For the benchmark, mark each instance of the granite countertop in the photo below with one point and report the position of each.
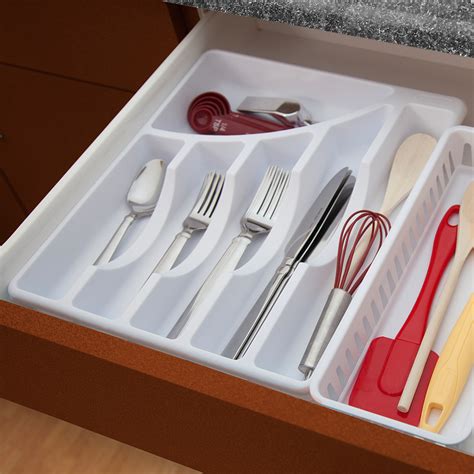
(440, 25)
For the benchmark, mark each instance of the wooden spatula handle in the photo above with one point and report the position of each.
(430, 335)
(464, 246)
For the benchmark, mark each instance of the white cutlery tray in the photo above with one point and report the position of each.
(390, 290)
(361, 125)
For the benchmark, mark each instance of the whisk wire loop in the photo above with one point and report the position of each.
(363, 232)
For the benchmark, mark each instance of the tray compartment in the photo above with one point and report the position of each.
(291, 323)
(393, 286)
(326, 96)
(345, 144)
(83, 234)
(146, 312)
(111, 287)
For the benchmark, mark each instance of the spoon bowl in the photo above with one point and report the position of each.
(146, 188)
(141, 199)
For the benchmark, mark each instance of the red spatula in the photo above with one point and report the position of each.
(387, 363)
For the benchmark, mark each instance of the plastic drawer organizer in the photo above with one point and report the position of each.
(393, 285)
(360, 125)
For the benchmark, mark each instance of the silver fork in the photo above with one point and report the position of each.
(259, 219)
(198, 219)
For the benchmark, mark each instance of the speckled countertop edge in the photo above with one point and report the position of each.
(438, 25)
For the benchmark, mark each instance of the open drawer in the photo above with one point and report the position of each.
(197, 413)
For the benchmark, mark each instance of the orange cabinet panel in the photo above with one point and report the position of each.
(12, 212)
(117, 43)
(47, 122)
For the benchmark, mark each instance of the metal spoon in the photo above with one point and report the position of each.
(286, 110)
(141, 198)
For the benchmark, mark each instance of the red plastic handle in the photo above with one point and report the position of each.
(403, 349)
(238, 124)
(443, 251)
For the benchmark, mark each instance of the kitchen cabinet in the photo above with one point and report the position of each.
(12, 212)
(113, 43)
(66, 69)
(47, 122)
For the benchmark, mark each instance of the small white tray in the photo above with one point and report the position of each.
(391, 288)
(362, 125)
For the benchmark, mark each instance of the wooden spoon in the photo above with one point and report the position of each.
(408, 163)
(464, 246)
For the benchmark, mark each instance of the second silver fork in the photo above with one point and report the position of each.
(198, 219)
(259, 219)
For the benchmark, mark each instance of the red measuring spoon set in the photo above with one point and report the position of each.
(210, 113)
(388, 362)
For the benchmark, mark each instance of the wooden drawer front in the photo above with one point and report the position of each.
(191, 414)
(114, 42)
(47, 122)
(11, 209)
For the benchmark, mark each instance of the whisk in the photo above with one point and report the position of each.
(361, 238)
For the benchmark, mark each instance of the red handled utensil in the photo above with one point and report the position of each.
(388, 362)
(210, 113)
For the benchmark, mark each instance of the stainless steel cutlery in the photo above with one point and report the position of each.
(307, 239)
(285, 110)
(141, 198)
(259, 219)
(198, 219)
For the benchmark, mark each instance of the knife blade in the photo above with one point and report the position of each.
(309, 237)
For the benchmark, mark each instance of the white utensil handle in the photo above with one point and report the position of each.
(171, 255)
(114, 242)
(227, 263)
(431, 332)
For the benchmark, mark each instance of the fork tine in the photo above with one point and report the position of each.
(262, 190)
(278, 195)
(217, 195)
(206, 185)
(271, 192)
(209, 193)
(214, 195)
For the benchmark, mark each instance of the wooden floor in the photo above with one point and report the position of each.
(31, 442)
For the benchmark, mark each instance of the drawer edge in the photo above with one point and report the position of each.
(85, 366)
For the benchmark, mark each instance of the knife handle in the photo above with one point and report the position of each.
(451, 372)
(243, 338)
